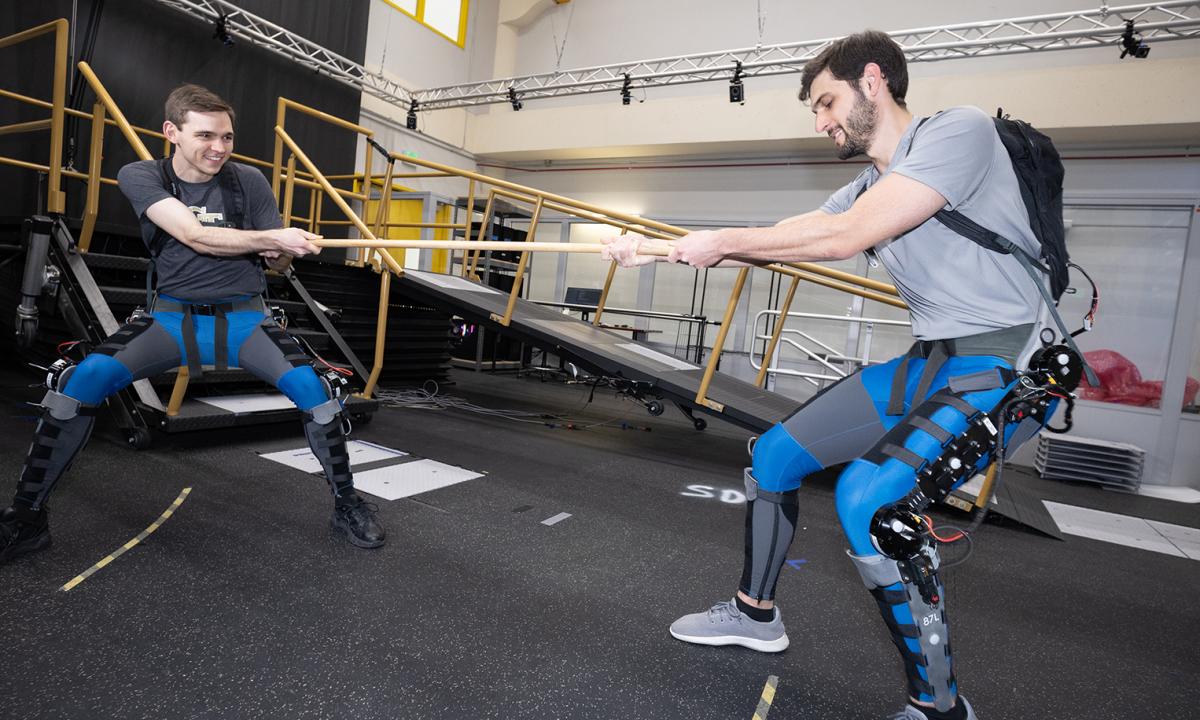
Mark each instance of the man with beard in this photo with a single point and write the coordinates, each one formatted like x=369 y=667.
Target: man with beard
x=974 y=314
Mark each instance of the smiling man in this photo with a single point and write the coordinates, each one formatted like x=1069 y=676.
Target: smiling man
x=208 y=224
x=974 y=313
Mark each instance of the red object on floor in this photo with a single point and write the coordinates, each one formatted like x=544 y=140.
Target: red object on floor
x=1121 y=382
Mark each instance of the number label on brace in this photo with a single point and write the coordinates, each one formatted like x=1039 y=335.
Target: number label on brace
x=929 y=619
x=708 y=492
x=987 y=422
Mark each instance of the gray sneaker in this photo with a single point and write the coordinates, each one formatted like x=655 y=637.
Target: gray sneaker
x=724 y=624
x=911 y=713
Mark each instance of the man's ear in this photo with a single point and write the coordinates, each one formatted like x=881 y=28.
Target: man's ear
x=872 y=79
x=171 y=131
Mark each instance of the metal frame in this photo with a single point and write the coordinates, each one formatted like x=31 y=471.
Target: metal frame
x=269 y=36
x=1157 y=22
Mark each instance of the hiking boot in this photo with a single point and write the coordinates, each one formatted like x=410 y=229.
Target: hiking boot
x=724 y=624
x=22 y=532
x=914 y=713
x=357 y=520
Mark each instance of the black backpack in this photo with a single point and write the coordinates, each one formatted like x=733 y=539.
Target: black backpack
x=1039 y=172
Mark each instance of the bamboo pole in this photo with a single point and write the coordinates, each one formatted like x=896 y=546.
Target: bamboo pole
x=24 y=127
x=787 y=305
x=488 y=209
x=989 y=481
x=711 y=368
x=385 y=201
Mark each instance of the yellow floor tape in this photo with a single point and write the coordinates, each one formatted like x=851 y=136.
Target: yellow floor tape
x=131 y=544
x=768 y=696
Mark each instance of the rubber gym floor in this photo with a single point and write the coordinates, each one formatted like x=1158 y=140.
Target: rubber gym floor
x=243 y=605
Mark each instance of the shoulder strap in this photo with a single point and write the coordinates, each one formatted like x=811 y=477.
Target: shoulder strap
x=233 y=196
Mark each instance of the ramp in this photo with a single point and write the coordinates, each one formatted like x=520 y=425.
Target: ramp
x=656 y=374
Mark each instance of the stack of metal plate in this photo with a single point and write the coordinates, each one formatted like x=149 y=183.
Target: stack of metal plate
x=1069 y=457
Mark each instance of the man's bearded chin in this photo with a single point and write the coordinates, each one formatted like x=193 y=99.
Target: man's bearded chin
x=860 y=129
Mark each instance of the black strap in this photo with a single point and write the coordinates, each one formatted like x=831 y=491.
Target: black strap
x=945 y=397
x=939 y=351
x=937 y=432
x=904 y=455
x=188 y=330
x=221 y=335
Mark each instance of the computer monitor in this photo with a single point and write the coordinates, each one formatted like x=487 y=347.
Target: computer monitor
x=582 y=296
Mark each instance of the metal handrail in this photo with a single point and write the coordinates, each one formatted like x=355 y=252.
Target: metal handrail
x=764 y=367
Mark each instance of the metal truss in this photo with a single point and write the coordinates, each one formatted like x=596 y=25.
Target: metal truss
x=250 y=28
x=1059 y=31
x=1154 y=22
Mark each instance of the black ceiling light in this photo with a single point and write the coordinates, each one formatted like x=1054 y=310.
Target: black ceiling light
x=221 y=30
x=514 y=100
x=625 y=96
x=410 y=122
x=737 y=92
x=1132 y=44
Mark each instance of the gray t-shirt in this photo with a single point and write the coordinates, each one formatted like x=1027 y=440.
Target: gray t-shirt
x=182 y=272
x=954 y=287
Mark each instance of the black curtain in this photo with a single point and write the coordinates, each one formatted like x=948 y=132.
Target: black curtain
x=143 y=49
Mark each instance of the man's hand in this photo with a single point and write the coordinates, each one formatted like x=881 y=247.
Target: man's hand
x=292 y=241
x=624 y=249
x=700 y=249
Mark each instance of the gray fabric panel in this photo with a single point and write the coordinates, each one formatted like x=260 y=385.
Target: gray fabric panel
x=152 y=352
x=1006 y=344
x=60 y=407
x=845 y=406
x=73 y=434
x=770 y=527
x=326 y=411
x=976 y=381
x=1027 y=429
x=877 y=571
x=263 y=358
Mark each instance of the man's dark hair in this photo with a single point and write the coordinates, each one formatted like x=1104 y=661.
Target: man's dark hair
x=194 y=98
x=846 y=57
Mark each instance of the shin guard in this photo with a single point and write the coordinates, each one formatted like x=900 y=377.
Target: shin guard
x=918 y=627
x=327 y=440
x=63 y=430
x=770 y=527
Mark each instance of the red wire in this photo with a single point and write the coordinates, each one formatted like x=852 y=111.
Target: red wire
x=958 y=536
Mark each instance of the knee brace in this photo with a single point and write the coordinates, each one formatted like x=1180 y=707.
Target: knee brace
x=327 y=440
x=779 y=462
x=63 y=430
x=917 y=622
x=770 y=527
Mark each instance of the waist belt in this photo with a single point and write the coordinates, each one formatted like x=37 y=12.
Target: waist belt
x=218 y=310
x=936 y=352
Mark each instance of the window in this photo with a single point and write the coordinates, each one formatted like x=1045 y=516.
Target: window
x=447 y=18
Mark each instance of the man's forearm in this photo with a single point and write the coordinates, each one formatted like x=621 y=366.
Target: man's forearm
x=228 y=241
x=813 y=237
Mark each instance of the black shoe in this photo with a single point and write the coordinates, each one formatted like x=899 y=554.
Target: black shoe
x=22 y=532
x=357 y=520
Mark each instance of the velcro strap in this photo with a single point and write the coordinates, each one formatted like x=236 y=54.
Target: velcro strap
x=943 y=397
x=221 y=336
x=904 y=455
x=937 y=432
x=899 y=378
x=977 y=381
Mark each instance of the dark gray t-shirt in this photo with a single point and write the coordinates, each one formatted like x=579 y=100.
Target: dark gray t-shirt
x=954 y=287
x=182 y=272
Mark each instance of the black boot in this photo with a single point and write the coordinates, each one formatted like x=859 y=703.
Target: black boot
x=22 y=531
x=356 y=519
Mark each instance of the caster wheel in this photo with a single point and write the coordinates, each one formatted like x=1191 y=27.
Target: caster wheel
x=654 y=407
x=700 y=423
x=139 y=438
